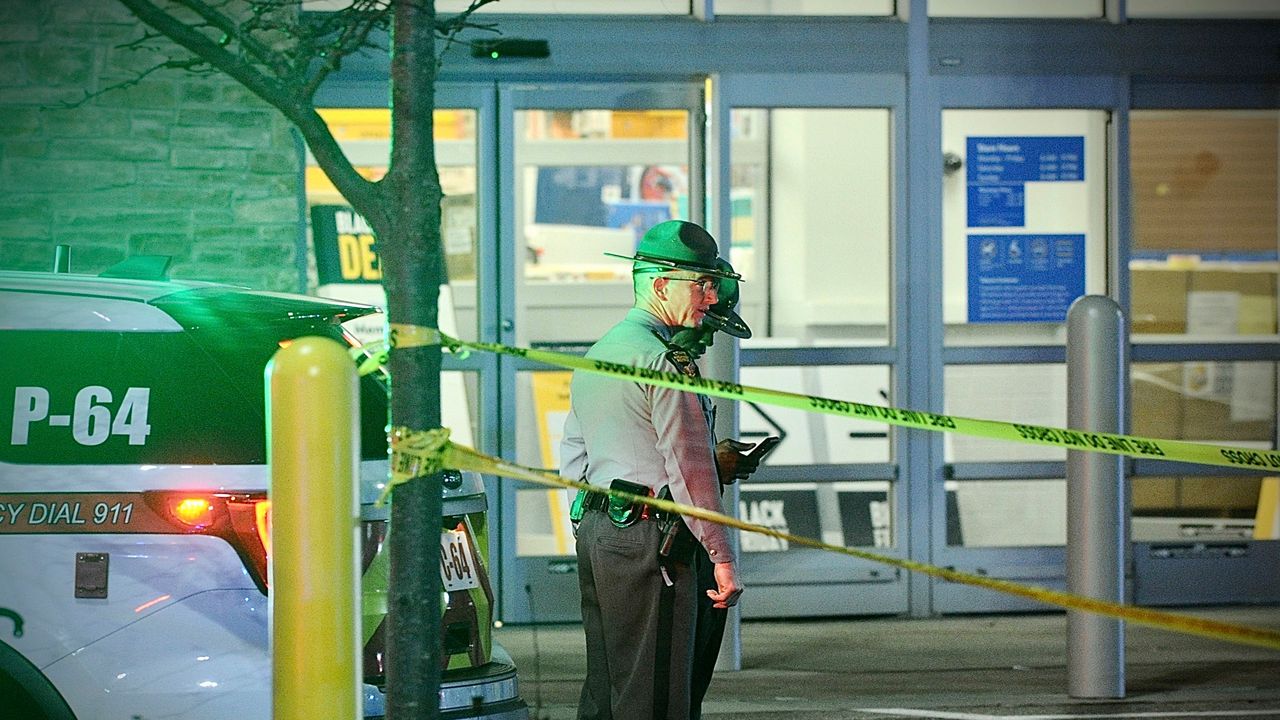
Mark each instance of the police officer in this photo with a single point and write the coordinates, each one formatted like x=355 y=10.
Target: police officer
x=639 y=589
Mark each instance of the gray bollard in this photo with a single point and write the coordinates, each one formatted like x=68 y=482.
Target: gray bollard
x=1096 y=524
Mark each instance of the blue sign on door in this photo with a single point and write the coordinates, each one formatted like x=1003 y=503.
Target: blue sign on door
x=998 y=169
x=1024 y=278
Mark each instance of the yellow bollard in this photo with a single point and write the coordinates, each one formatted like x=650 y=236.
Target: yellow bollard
x=313 y=448
x=1266 y=523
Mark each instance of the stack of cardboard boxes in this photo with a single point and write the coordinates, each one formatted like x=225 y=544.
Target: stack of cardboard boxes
x=1229 y=402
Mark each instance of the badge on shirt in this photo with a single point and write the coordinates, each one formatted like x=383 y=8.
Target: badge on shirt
x=683 y=362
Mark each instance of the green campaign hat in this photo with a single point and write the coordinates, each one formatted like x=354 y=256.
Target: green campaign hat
x=679 y=245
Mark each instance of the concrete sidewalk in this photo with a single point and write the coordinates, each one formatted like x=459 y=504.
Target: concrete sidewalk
x=965 y=668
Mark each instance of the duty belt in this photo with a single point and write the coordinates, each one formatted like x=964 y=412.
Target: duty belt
x=624 y=514
x=620 y=511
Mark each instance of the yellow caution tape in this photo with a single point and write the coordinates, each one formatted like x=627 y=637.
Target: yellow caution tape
x=372 y=356
x=1110 y=443
x=416 y=451
x=403 y=335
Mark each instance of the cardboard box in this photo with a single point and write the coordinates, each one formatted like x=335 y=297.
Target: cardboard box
x=1215 y=497
x=1160 y=296
x=1219 y=496
x=1149 y=494
x=1191 y=401
x=1156 y=400
x=1159 y=300
x=1209 y=420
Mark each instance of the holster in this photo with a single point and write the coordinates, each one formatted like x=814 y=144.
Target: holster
x=623 y=512
x=676 y=542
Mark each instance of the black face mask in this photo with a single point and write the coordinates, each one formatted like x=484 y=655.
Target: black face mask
x=694 y=341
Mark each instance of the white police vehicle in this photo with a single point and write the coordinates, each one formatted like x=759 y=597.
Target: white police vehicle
x=134 y=519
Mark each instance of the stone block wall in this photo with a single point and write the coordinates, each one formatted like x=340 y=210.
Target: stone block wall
x=180 y=164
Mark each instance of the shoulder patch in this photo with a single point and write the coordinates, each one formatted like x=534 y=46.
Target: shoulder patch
x=683 y=361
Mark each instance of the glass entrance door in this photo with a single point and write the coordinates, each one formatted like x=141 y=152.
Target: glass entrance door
x=585 y=171
x=1025 y=231
x=1166 y=211
x=807 y=201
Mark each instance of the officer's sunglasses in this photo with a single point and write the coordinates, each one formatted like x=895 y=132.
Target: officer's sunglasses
x=706 y=285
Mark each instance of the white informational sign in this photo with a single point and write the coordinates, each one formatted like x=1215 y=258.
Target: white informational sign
x=1024 y=219
x=1213 y=312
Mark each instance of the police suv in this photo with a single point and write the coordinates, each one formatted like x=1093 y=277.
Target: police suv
x=134 y=518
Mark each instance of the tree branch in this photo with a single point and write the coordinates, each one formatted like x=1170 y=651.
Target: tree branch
x=257 y=50
x=453 y=24
x=217 y=56
x=369 y=15
x=364 y=195
x=193 y=65
x=140 y=43
x=361 y=193
x=450 y=27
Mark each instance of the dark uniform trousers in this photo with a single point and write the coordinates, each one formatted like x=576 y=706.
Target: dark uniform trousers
x=621 y=579
x=710 y=620
x=708 y=633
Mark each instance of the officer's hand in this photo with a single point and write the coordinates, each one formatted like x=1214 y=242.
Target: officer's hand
x=731 y=463
x=728 y=589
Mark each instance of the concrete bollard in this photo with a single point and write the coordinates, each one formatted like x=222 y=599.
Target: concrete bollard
x=313 y=449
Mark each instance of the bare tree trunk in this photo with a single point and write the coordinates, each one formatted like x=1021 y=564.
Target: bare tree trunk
x=413 y=270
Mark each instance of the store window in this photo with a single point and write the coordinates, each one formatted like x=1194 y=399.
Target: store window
x=1205 y=217
x=1231 y=403
x=805 y=7
x=814 y=438
x=1203 y=270
x=1016 y=8
x=1213 y=402
x=1007 y=513
x=1026 y=394
x=542 y=514
x=344 y=258
x=810 y=232
x=1232 y=9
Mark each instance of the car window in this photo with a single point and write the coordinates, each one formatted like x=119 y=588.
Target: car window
x=21 y=310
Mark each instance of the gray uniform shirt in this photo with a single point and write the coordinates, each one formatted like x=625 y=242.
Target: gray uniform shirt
x=644 y=434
